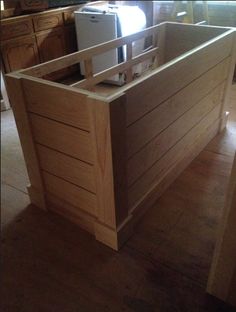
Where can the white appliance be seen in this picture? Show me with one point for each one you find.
(95, 25)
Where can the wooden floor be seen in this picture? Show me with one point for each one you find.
(52, 265)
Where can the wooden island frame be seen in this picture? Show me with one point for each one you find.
(102, 160)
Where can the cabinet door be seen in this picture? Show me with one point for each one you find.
(51, 45)
(19, 53)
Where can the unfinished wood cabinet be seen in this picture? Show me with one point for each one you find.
(102, 159)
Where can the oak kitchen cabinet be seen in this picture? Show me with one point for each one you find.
(19, 53)
(32, 39)
(51, 45)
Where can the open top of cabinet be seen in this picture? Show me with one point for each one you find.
(172, 42)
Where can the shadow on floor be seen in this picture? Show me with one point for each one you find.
(53, 265)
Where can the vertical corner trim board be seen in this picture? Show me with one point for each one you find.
(18, 103)
(71, 105)
(100, 161)
(225, 107)
(108, 136)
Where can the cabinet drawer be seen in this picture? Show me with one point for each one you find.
(47, 22)
(69, 17)
(16, 29)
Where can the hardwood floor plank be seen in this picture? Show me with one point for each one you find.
(51, 264)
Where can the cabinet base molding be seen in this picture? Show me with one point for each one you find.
(114, 238)
(70, 212)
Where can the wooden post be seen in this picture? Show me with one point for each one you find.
(88, 67)
(108, 123)
(129, 52)
(227, 91)
(16, 95)
(190, 12)
(161, 34)
(205, 11)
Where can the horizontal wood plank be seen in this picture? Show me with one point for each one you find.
(67, 168)
(182, 38)
(76, 57)
(158, 188)
(143, 160)
(63, 138)
(163, 115)
(70, 193)
(57, 103)
(174, 76)
(158, 171)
